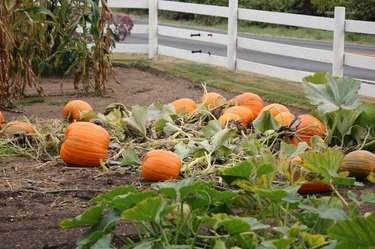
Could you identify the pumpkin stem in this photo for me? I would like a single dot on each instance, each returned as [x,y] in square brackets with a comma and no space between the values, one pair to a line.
[333,128]
[333,186]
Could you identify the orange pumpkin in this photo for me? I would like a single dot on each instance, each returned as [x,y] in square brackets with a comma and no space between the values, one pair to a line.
[73,109]
[18,127]
[284,118]
[228,116]
[185,103]
[313,188]
[84,144]
[244,113]
[251,101]
[212,100]
[160,165]
[359,163]
[2,119]
[308,127]
[274,109]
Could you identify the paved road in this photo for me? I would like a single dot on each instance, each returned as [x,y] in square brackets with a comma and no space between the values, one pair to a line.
[266,58]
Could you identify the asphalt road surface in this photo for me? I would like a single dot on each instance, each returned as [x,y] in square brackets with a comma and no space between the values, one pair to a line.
[266,58]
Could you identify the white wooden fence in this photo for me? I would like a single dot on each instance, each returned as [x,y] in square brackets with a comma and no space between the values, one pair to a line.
[339,25]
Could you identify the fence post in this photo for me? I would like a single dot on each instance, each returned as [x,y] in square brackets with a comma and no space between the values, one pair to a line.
[232,35]
[152,28]
[338,42]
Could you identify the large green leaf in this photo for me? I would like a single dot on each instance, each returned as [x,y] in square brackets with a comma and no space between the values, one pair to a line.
[241,170]
[232,224]
[333,93]
[149,209]
[90,216]
[358,231]
[211,128]
[130,157]
[126,201]
[137,120]
[265,122]
[159,111]
[319,163]
[122,190]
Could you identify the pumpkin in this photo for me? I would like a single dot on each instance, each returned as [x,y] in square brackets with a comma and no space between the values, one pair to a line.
[274,109]
[284,118]
[228,116]
[18,127]
[359,163]
[313,187]
[212,100]
[244,113]
[85,144]
[251,101]
[307,127]
[73,109]
[160,165]
[2,119]
[185,103]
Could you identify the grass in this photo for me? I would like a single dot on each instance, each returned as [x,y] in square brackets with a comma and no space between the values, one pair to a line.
[271,30]
[271,89]
[31,101]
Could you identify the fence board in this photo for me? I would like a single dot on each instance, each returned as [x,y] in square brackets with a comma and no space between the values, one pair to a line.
[272,71]
[131,48]
[201,9]
[186,34]
[360,27]
[368,89]
[315,22]
[286,50]
[140,29]
[187,55]
[128,4]
[360,61]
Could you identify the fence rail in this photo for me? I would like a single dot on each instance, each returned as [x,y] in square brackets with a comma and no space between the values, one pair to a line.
[337,57]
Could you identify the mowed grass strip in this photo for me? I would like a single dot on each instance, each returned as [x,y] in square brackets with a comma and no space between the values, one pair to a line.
[270,89]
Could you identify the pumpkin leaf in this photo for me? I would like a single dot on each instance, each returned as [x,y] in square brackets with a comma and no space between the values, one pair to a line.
[130,157]
[149,209]
[264,122]
[138,120]
[123,202]
[313,240]
[319,163]
[212,128]
[358,231]
[220,138]
[158,111]
[104,242]
[182,150]
[90,216]
[122,190]
[332,93]
[241,170]
[371,177]
[232,224]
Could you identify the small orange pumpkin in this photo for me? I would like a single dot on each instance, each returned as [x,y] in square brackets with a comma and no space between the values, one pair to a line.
[185,103]
[228,116]
[275,109]
[18,127]
[314,187]
[84,144]
[308,127]
[73,109]
[284,118]
[160,165]
[251,101]
[2,119]
[359,163]
[212,100]
[244,113]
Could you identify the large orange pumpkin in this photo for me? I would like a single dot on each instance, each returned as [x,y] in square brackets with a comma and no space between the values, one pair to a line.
[274,109]
[84,144]
[2,119]
[185,103]
[73,109]
[251,101]
[313,188]
[308,127]
[160,165]
[284,118]
[228,116]
[359,163]
[18,127]
[212,99]
[244,113]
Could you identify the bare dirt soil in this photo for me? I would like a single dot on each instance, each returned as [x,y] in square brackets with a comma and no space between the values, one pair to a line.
[35,197]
